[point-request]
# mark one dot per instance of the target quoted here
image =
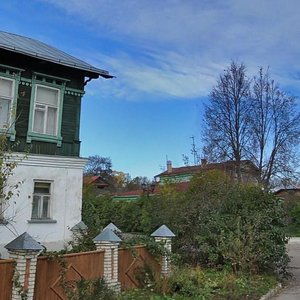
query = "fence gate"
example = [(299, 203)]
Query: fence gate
[(71, 267), (135, 265)]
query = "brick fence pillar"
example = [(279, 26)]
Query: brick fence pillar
[(164, 235), (24, 250), (108, 241)]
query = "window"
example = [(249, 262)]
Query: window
[(6, 100), (46, 106), (41, 200)]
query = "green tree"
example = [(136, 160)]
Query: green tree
[(225, 223)]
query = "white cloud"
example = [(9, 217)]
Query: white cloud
[(177, 48)]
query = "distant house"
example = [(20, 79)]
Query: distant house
[(182, 175), (287, 193), (97, 183), (41, 89)]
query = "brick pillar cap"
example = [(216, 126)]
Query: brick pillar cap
[(107, 235), (163, 231), (24, 242), (112, 227), (79, 227)]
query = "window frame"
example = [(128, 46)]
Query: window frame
[(40, 218), (46, 108), (41, 80), (13, 74)]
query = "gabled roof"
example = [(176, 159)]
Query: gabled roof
[(288, 189), (97, 179), (206, 167), (34, 48)]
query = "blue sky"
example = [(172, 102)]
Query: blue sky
[(166, 56)]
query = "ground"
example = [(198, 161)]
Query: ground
[(292, 291)]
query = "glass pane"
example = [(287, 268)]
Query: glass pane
[(35, 207), (46, 200), (51, 121), (42, 188), (6, 87), (47, 96), (4, 112), (38, 123)]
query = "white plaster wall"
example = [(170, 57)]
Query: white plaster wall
[(65, 175)]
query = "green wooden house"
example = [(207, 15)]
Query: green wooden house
[(41, 90)]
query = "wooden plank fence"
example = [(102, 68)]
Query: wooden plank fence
[(7, 267), (133, 265), (86, 265)]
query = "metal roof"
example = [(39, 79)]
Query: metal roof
[(107, 235), (163, 231), (30, 47), (24, 242)]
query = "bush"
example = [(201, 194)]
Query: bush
[(197, 283), (200, 283), (91, 290), (226, 224), (218, 222)]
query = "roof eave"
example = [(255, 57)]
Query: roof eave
[(90, 72)]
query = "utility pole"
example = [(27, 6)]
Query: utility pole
[(194, 151)]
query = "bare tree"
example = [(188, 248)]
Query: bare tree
[(252, 119), (275, 126), (227, 134)]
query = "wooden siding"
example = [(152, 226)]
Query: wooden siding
[(70, 128), (7, 268), (88, 265), (71, 108)]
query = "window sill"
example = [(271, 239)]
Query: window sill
[(39, 221), (43, 138)]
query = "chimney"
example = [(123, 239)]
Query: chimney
[(203, 161), (169, 166)]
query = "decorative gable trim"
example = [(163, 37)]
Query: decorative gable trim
[(74, 92)]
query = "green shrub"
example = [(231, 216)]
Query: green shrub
[(205, 284), (222, 223), (91, 290), (217, 222)]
